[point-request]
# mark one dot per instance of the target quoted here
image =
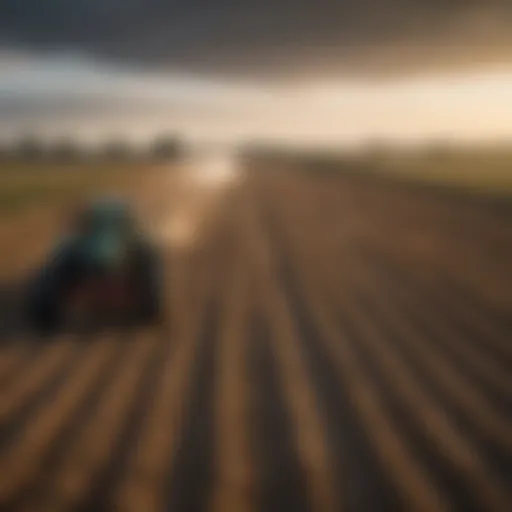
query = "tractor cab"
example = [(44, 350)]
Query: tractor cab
[(104, 231)]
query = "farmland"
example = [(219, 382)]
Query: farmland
[(333, 343)]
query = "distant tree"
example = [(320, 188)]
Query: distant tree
[(117, 151), (66, 151), (5, 152), (166, 148), (30, 148)]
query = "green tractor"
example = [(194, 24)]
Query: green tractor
[(104, 268)]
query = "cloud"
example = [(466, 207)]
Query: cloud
[(90, 100), (268, 38)]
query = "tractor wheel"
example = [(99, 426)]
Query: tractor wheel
[(149, 284)]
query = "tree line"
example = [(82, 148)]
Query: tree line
[(29, 148)]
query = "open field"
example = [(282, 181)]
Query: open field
[(332, 344), (29, 186), (479, 170)]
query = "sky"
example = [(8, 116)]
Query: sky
[(308, 71)]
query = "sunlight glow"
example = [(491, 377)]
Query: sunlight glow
[(196, 190), (59, 96), (217, 170)]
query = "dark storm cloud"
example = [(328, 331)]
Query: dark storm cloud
[(267, 36)]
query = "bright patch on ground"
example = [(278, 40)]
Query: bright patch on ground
[(195, 194), (216, 170)]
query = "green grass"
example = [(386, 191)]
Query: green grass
[(24, 186), (487, 172)]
